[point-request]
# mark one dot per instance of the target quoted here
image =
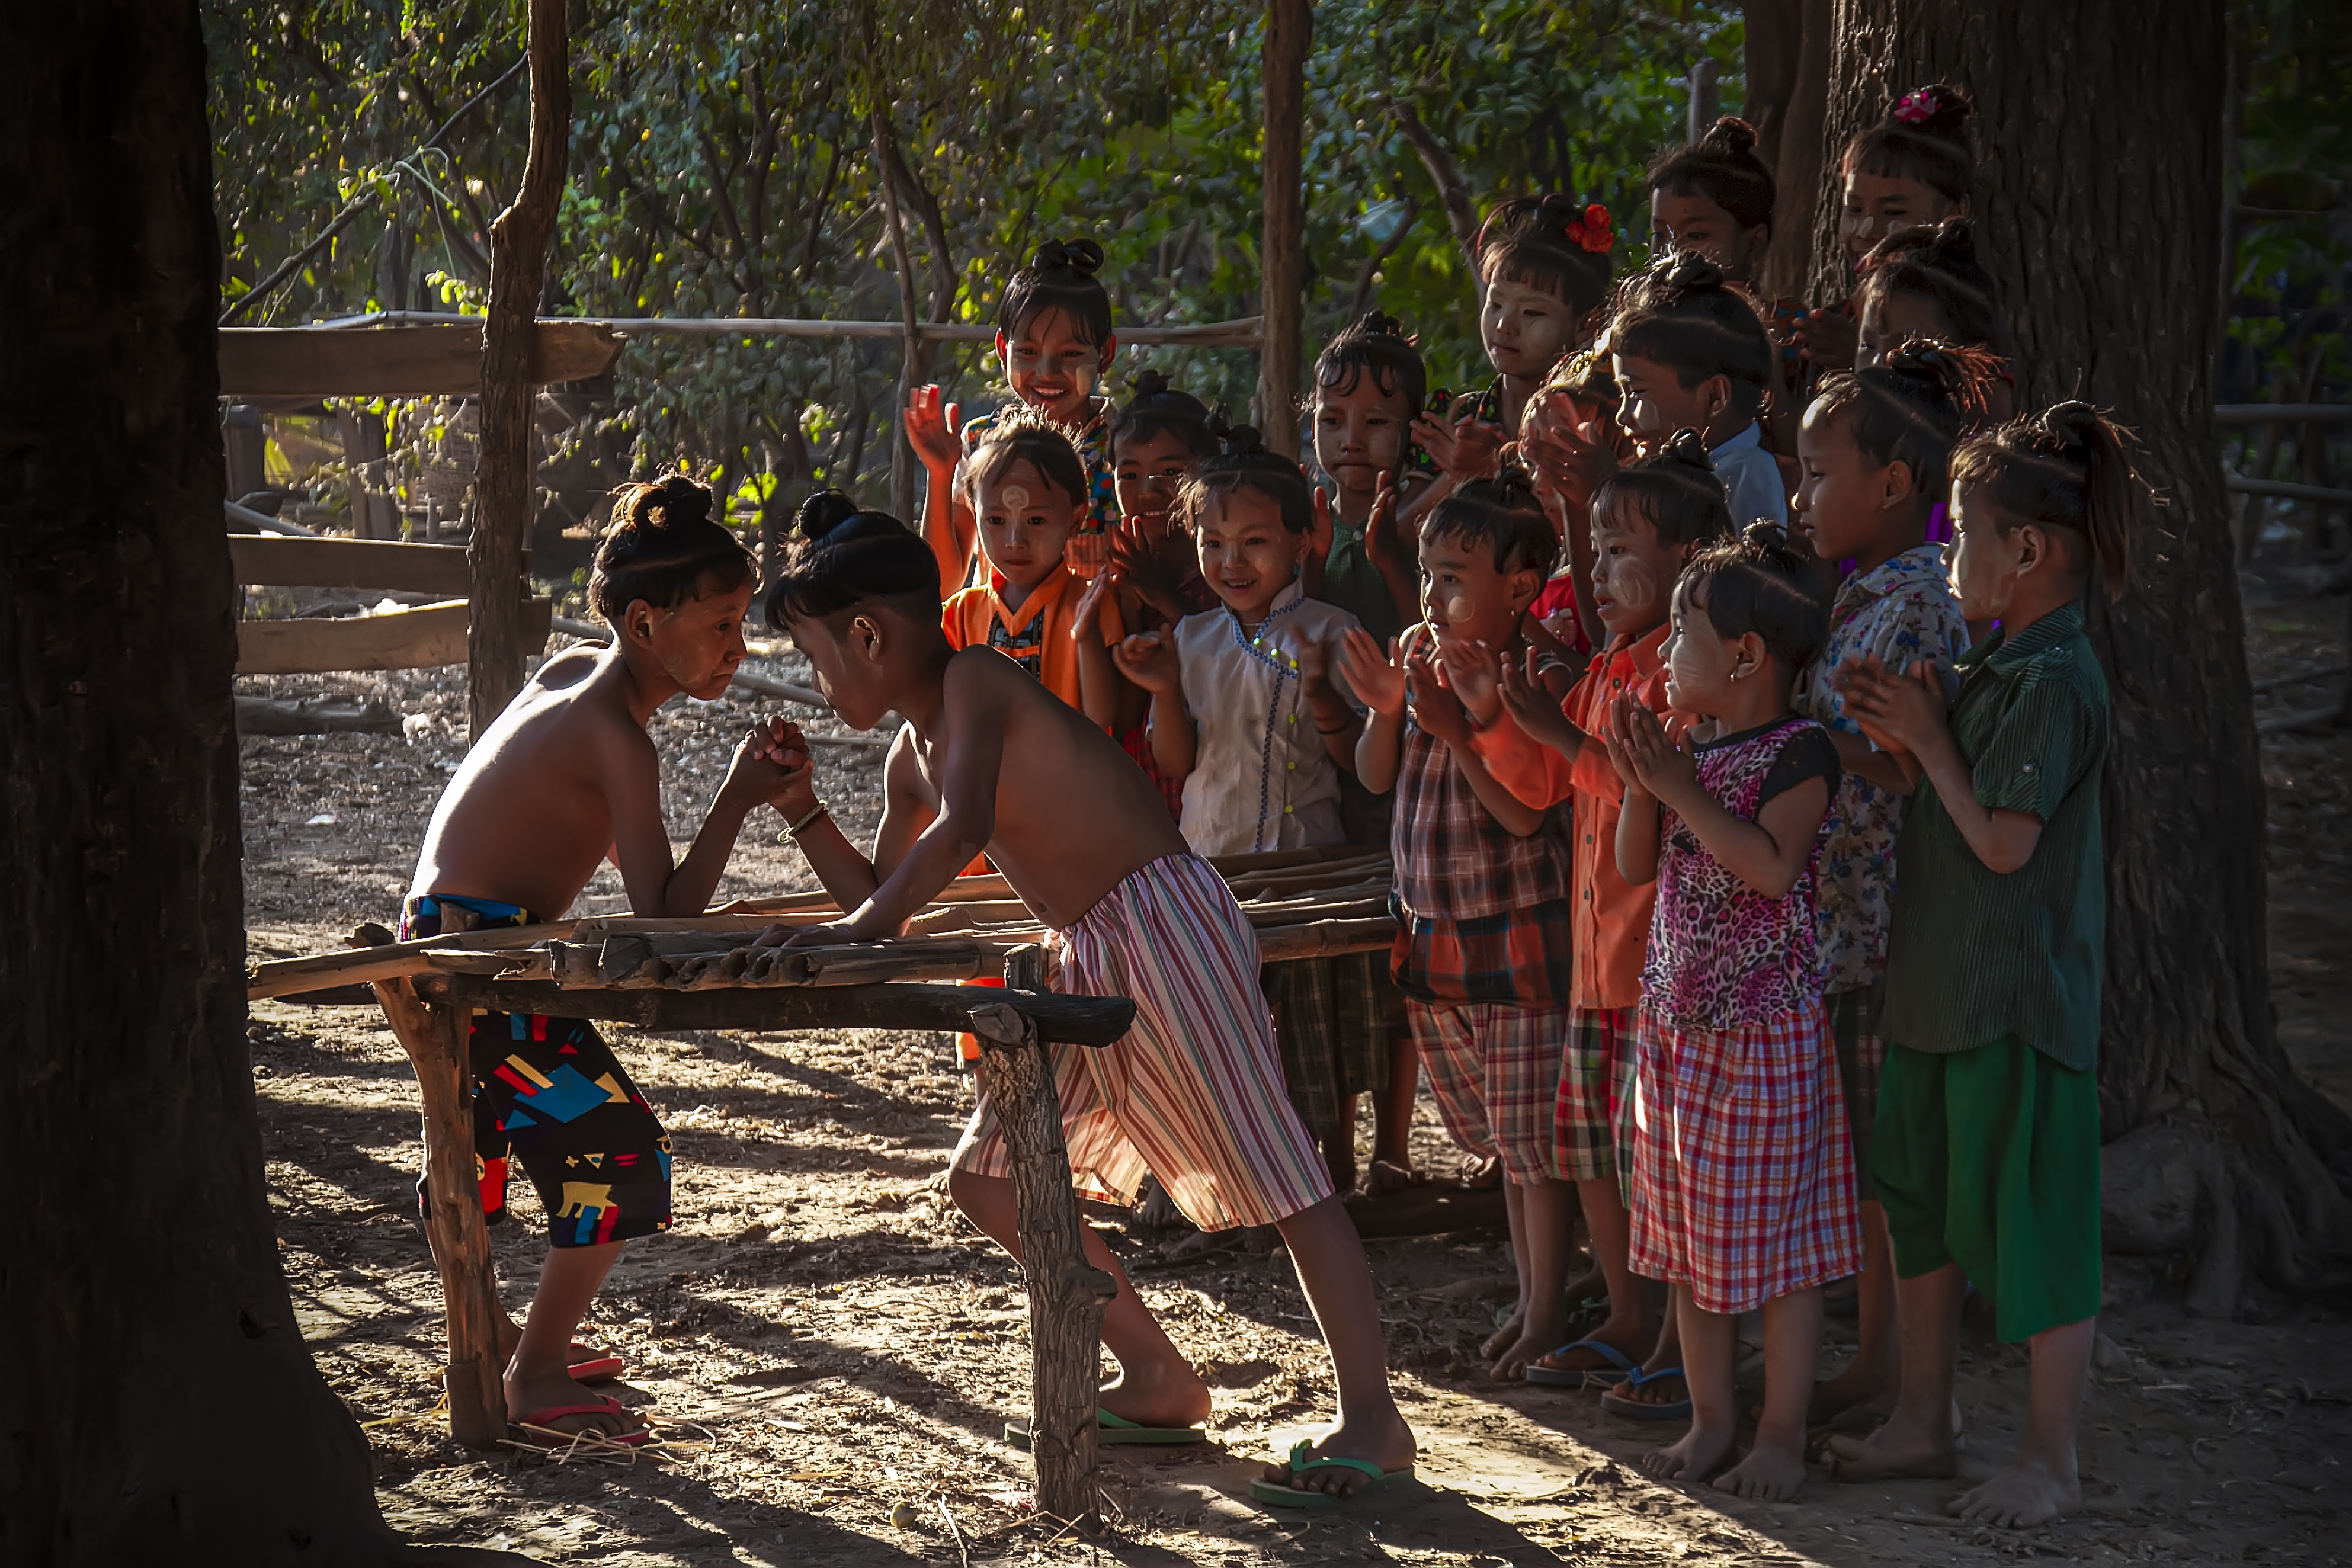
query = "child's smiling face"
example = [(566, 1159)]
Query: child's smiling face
[(1148, 473), (1634, 571), (1247, 557), (1051, 365), (1693, 221), (1656, 403), (1360, 432), (1024, 523), (1877, 205), (1466, 597), (1526, 329)]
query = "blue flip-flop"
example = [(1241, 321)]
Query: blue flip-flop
[(1287, 1496), (1614, 1399), (1621, 1366)]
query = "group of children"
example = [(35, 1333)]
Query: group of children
[(1716, 681)]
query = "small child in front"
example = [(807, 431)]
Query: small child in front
[(1244, 713), (1690, 353), (1029, 495), (1482, 879), (1876, 446), (1646, 522), (1369, 385), (565, 778), (1743, 1179), (1988, 1147), (990, 761)]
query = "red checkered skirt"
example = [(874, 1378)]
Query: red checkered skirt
[(1743, 1175)]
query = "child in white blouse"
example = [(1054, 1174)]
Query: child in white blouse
[(1245, 712)]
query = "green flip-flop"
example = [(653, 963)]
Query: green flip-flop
[(1112, 1431), (1287, 1496)]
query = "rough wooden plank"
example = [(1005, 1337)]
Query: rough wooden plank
[(1061, 1020), (275, 562), (412, 639), (1067, 1292), (442, 359), (318, 971)]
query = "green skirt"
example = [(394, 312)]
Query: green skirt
[(1990, 1158), (1332, 1020)]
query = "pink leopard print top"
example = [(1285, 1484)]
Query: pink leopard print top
[(1723, 956)]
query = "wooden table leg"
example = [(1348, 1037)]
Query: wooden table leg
[(1066, 1293), (435, 1039)]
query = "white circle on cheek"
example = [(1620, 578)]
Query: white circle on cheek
[(1458, 608)]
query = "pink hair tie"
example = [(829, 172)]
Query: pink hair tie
[(1917, 108)]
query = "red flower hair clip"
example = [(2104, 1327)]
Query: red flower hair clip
[(1917, 108), (1592, 231)]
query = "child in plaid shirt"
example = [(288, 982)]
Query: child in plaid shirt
[(1482, 884), (1743, 1180)]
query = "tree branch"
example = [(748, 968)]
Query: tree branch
[(1461, 211)]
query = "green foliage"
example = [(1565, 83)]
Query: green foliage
[(723, 164), (2291, 225)]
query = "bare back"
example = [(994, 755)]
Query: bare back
[(530, 814), (1073, 815)]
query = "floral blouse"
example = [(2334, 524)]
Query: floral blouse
[(1902, 610)]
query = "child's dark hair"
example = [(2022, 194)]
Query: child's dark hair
[(1549, 242), (1723, 167), (1682, 314), (1912, 409), (660, 542), (1022, 434), (1246, 465), (1155, 409), (1500, 515), (2063, 468), (1758, 582), (1924, 136), (1937, 263), (1374, 345), (1674, 489), (1060, 276), (841, 558)]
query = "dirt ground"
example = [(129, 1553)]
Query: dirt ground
[(851, 1350)]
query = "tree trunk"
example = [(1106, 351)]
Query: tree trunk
[(1793, 47), (1452, 191), (2099, 179), (504, 478), (912, 359), (161, 1406), (1289, 35)]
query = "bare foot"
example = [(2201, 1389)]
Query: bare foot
[(2026, 1494), (1769, 1473), (528, 1396), (1158, 1210), (1157, 1394), (1833, 1397), (1480, 1172), (1537, 1339), (1513, 1328), (1387, 1444), (1386, 1178), (1698, 1456), (1898, 1449)]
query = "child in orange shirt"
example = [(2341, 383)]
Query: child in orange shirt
[(1029, 493), (1647, 520)]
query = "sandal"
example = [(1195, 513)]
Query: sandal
[(1621, 1366), (1288, 1496), (1620, 1401)]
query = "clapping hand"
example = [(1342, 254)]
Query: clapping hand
[(1378, 679), (1434, 707), (1644, 756), (1149, 659), (1476, 676), (1899, 713), (1532, 708)]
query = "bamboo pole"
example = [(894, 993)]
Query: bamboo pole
[(1066, 1293)]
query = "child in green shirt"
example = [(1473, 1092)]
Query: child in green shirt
[(1987, 1149)]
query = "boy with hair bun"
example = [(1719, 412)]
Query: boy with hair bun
[(1715, 197), (988, 762), (1054, 344), (1690, 353), (565, 778), (1988, 1158)]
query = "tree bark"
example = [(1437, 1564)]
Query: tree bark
[(1795, 50), (2099, 177), (161, 1406), (504, 476), (1282, 259), (1066, 1293)]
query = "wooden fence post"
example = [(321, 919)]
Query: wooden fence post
[(435, 1036), (1282, 257), (1066, 1293)]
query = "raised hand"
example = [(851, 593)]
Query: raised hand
[(1830, 336), (1573, 457), (1149, 659), (1082, 620), (1378, 679), (1435, 708), (1899, 713), (1651, 760), (1319, 530), (1464, 448), (1476, 676), (1086, 553), (932, 429), (1380, 542), (1532, 708)]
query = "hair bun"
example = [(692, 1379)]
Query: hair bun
[(1687, 272), (1685, 446), (823, 512), (1730, 136), (1382, 323), (1079, 255), (1145, 385), (1239, 440), (1939, 108), (2071, 423)]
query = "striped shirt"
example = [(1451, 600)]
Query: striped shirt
[(1975, 953)]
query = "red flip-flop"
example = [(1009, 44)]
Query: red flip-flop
[(539, 1424), (588, 1365)]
